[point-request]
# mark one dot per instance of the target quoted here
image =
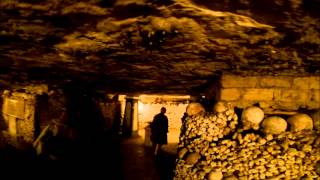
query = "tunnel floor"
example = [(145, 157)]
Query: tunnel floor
[(140, 163), (111, 157)]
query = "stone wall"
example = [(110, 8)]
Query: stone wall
[(174, 114), (150, 105), (270, 92), (111, 114), (18, 113)]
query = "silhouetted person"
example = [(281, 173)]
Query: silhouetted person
[(184, 117), (159, 130)]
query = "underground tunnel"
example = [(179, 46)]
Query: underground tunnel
[(83, 83)]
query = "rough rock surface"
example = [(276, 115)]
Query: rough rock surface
[(152, 45)]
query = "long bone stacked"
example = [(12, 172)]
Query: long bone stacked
[(214, 146)]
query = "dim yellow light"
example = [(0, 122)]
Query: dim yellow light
[(140, 106)]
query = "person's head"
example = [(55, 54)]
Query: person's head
[(163, 110)]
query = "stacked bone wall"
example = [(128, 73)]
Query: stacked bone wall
[(270, 92), (232, 153)]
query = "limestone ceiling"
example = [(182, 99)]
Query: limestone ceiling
[(155, 46)]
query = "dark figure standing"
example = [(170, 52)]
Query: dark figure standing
[(184, 117), (159, 130)]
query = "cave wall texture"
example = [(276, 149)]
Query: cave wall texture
[(149, 46), (155, 46)]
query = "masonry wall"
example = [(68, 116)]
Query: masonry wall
[(270, 92), (18, 114), (111, 114), (174, 113)]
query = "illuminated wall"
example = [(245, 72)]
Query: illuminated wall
[(270, 92), (18, 113), (175, 105)]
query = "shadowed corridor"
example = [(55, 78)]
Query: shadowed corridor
[(114, 157)]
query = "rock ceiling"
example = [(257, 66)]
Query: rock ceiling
[(155, 46)]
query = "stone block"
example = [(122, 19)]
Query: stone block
[(232, 81), (315, 95), (288, 95), (19, 109), (14, 107), (230, 94), (243, 104), (266, 104), (274, 81), (313, 105), (22, 95), (301, 83), (285, 105), (312, 82), (253, 94)]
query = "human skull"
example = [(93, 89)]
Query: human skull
[(192, 158), (219, 107), (215, 175), (251, 117), (274, 125), (194, 109), (300, 122)]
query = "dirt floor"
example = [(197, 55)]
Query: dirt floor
[(140, 163), (110, 157)]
